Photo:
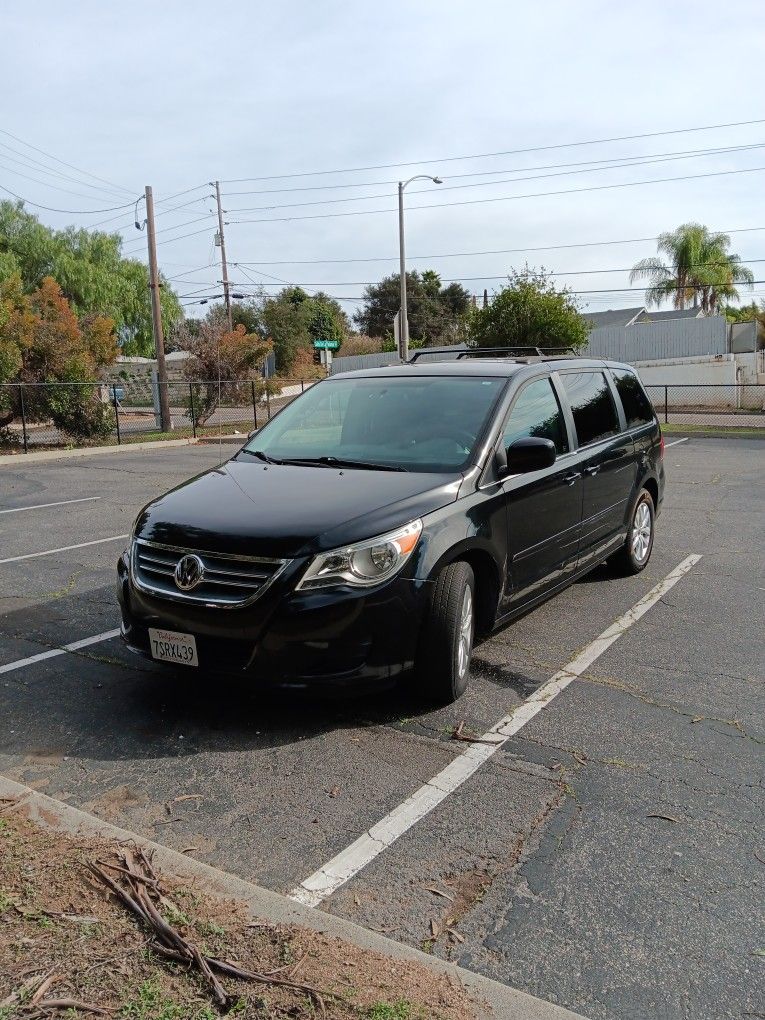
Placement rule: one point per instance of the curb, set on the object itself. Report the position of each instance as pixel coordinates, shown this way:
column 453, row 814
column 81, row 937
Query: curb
column 88, row 451
column 495, row 1001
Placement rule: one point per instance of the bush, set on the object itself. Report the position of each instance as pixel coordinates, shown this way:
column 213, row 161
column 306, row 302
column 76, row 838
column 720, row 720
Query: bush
column 79, row 412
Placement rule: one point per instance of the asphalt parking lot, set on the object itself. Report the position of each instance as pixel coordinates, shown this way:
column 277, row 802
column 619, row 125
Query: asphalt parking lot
column 608, row 857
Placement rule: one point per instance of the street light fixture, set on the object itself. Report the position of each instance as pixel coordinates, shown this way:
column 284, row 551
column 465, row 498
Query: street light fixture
column 404, row 322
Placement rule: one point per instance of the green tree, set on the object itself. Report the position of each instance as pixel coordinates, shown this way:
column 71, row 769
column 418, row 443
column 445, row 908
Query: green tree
column 292, row 320
column 697, row 269
column 529, row 312
column 437, row 315
column 92, row 274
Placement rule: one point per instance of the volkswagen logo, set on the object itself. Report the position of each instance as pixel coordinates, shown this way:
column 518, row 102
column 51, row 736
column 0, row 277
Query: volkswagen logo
column 189, row 572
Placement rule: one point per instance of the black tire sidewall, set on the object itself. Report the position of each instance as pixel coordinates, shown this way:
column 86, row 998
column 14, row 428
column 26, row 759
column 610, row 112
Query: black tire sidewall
column 437, row 664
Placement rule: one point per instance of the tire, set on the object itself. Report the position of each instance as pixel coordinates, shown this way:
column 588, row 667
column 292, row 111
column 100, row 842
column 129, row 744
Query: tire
column 442, row 667
column 638, row 545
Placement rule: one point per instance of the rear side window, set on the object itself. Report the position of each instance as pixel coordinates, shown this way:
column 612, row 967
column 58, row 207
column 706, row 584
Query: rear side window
column 637, row 406
column 536, row 413
column 592, row 406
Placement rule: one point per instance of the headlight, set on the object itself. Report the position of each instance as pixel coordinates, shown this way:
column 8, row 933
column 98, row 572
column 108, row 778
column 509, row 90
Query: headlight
column 365, row 563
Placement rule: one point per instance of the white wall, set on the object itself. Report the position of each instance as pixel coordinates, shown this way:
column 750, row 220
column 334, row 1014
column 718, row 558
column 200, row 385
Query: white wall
column 724, row 381
column 688, row 371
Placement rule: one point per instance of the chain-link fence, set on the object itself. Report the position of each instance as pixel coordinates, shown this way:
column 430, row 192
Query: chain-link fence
column 715, row 405
column 36, row 416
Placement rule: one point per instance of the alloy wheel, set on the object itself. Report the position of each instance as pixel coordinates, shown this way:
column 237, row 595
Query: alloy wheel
column 465, row 644
column 641, row 532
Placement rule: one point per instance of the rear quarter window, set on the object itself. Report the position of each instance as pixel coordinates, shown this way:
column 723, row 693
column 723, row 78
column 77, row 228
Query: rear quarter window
column 637, row 407
column 591, row 405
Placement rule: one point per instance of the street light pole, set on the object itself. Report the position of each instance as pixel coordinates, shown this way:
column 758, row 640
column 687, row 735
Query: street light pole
column 404, row 321
column 403, row 324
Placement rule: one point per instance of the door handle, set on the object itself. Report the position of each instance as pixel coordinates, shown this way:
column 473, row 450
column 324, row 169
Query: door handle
column 571, row 477
column 592, row 469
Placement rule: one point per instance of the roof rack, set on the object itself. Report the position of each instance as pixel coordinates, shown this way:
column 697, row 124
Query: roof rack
column 495, row 352
column 516, row 352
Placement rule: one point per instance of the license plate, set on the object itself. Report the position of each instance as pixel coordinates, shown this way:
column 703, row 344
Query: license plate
column 172, row 646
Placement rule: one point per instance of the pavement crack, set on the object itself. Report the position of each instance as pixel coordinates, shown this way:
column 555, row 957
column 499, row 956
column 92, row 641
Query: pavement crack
column 646, row 699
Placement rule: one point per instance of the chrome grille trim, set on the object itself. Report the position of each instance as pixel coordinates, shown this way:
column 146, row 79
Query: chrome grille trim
column 152, row 570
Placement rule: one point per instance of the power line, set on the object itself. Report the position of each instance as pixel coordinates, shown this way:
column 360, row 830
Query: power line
column 169, row 240
column 475, row 184
column 178, row 226
column 506, row 198
column 74, row 212
column 491, row 155
column 35, row 164
column 465, row 254
column 46, row 184
column 186, row 191
column 50, row 155
column 162, row 212
column 616, row 161
column 473, row 279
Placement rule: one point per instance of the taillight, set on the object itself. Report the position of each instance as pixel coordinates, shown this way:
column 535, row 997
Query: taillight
column 661, row 447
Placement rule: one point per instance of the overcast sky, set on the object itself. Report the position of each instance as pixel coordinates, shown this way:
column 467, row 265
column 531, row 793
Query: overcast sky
column 175, row 94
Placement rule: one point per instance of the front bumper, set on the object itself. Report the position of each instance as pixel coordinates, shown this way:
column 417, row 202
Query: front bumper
column 288, row 638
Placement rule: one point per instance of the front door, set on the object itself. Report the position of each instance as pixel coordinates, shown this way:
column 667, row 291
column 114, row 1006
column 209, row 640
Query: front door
column 606, row 461
column 544, row 508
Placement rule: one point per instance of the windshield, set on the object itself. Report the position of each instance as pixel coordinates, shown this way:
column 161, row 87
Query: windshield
column 425, row 423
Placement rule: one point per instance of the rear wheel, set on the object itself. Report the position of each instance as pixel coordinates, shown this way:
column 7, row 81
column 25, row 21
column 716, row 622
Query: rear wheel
column 446, row 645
column 636, row 551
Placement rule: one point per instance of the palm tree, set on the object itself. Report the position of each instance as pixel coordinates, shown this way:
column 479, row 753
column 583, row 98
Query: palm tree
column 699, row 269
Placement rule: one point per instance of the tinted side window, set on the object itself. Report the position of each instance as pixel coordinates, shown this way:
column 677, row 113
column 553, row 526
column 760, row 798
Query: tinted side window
column 536, row 413
column 637, row 406
column 592, row 406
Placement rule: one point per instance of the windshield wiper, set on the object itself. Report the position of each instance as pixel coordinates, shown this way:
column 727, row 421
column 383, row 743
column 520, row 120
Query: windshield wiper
column 342, row 462
column 262, row 456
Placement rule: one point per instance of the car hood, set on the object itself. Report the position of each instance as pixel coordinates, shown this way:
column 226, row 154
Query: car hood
column 289, row 510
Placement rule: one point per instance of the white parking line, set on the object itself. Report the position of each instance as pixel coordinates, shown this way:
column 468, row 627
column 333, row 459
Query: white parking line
column 676, row 442
column 379, row 837
column 72, row 647
column 43, row 506
column 63, row 548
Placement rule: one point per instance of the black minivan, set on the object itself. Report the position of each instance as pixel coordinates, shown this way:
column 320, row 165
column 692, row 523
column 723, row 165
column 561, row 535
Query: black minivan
column 386, row 517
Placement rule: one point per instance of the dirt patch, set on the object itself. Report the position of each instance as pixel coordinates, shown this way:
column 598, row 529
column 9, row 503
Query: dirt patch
column 65, row 939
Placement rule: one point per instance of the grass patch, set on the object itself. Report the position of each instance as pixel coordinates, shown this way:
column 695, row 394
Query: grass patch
column 713, row 431
column 151, row 1003
column 401, row 1009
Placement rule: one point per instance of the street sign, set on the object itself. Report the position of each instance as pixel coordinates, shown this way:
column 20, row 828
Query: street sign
column 326, row 345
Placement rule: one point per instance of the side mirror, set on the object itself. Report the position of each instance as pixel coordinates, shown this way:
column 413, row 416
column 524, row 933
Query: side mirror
column 529, row 454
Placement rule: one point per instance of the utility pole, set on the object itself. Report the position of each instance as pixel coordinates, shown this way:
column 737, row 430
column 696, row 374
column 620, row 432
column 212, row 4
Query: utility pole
column 223, row 263
column 156, row 316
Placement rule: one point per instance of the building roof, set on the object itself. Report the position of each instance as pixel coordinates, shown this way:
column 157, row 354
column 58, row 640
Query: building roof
column 614, row 316
column 673, row 313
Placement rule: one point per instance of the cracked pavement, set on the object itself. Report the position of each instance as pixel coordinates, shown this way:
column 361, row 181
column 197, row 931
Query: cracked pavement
column 610, row 857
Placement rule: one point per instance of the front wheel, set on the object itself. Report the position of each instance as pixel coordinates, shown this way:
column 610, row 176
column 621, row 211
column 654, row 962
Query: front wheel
column 636, row 551
column 446, row 645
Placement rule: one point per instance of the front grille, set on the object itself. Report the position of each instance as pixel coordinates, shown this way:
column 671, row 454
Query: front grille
column 227, row 580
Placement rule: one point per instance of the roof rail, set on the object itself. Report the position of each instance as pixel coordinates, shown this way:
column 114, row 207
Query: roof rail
column 494, row 352
column 516, row 352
